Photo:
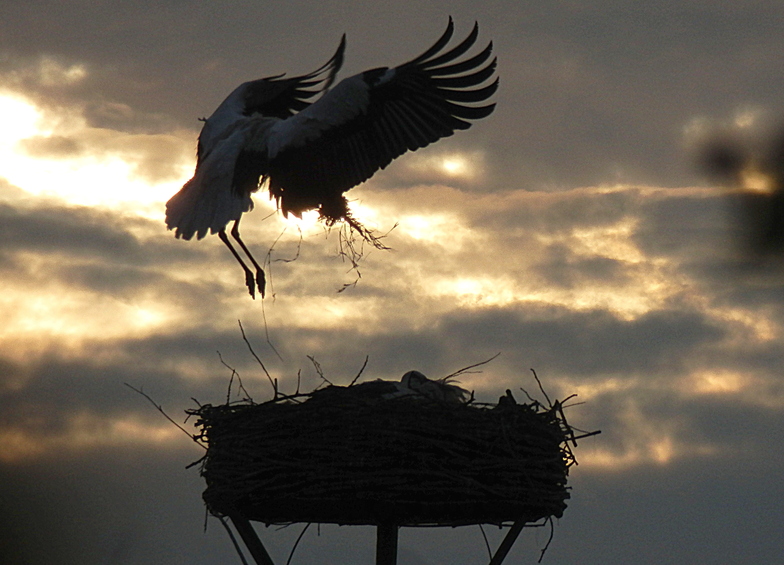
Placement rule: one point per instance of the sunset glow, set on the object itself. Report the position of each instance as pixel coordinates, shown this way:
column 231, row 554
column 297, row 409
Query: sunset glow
column 21, row 120
column 86, row 432
column 605, row 246
column 455, row 166
column 63, row 158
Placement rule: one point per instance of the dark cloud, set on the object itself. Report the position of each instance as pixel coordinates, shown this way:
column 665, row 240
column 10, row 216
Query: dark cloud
column 97, row 249
column 121, row 117
column 584, row 343
column 728, row 421
column 684, row 226
column 113, row 280
column 585, row 91
column 599, row 75
column 561, row 267
column 79, row 231
column 554, row 340
column 551, row 214
column 55, row 146
column 13, row 374
column 54, row 389
column 700, row 233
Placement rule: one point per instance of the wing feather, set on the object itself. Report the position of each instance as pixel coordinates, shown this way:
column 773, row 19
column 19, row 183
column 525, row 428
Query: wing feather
column 453, row 53
column 463, row 66
column 282, row 98
column 438, row 45
column 369, row 119
column 476, row 95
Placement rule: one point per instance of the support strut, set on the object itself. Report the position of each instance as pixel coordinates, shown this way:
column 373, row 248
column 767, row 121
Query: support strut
column 251, row 539
column 386, row 544
column 507, row 543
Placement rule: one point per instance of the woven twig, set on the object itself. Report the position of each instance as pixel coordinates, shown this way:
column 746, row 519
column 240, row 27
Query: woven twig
column 349, row 455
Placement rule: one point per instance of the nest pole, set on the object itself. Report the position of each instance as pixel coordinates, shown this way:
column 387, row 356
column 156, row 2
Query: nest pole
column 386, row 544
column 507, row 543
column 251, row 539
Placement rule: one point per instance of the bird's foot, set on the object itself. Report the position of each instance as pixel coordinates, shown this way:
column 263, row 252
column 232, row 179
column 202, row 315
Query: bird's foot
column 261, row 281
column 250, row 282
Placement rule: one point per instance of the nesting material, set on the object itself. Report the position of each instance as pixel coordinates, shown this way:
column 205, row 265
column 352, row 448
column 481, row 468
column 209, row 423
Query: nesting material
column 379, row 452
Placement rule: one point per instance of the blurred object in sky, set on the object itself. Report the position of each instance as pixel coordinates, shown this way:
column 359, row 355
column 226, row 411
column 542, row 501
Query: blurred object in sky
column 763, row 214
column 722, row 158
column 756, row 168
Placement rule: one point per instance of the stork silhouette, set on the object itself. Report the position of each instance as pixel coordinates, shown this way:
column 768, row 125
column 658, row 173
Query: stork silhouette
column 310, row 154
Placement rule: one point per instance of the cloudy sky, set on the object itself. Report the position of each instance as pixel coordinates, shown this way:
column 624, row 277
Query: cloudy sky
column 571, row 231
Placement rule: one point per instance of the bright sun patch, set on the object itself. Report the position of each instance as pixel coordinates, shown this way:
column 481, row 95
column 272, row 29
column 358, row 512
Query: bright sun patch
column 87, row 166
column 20, row 120
column 755, row 180
column 444, row 229
column 718, row 382
column 67, row 315
column 477, row 292
column 454, row 166
column 435, row 166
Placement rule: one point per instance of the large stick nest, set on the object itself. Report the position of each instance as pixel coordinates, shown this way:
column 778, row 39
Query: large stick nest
column 360, row 455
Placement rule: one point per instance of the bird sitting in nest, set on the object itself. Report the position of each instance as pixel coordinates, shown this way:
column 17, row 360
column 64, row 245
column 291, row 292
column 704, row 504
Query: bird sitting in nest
column 416, row 384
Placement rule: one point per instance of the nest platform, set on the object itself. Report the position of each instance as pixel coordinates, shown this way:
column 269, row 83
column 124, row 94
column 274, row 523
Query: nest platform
column 361, row 455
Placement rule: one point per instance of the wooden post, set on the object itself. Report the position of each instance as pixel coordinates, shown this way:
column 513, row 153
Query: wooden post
column 386, row 544
column 251, row 539
column 507, row 543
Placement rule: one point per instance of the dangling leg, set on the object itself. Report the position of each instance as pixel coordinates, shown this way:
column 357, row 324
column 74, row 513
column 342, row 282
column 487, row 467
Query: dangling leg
column 249, row 280
column 261, row 279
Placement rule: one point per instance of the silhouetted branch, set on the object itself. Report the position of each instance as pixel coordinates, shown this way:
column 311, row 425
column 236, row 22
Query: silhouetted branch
column 233, row 539
column 466, row 369
column 231, row 380
column 193, row 437
column 296, row 543
column 541, row 388
column 317, row 366
column 360, row 371
column 296, row 255
column 266, row 331
column 272, row 381
column 487, row 543
column 552, row 532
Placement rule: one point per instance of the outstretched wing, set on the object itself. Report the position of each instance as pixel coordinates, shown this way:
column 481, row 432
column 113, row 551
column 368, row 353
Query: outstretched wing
column 281, row 98
column 270, row 97
column 369, row 119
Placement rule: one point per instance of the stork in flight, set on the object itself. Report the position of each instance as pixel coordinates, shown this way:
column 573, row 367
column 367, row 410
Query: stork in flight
column 311, row 153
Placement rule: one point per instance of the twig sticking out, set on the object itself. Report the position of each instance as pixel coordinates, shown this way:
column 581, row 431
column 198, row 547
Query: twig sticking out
column 196, row 438
column 549, row 539
column 353, row 382
column 351, row 250
column 233, row 540
column 273, row 382
column 231, row 381
column 296, row 543
column 320, row 371
column 467, row 369
column 487, row 543
column 541, row 388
